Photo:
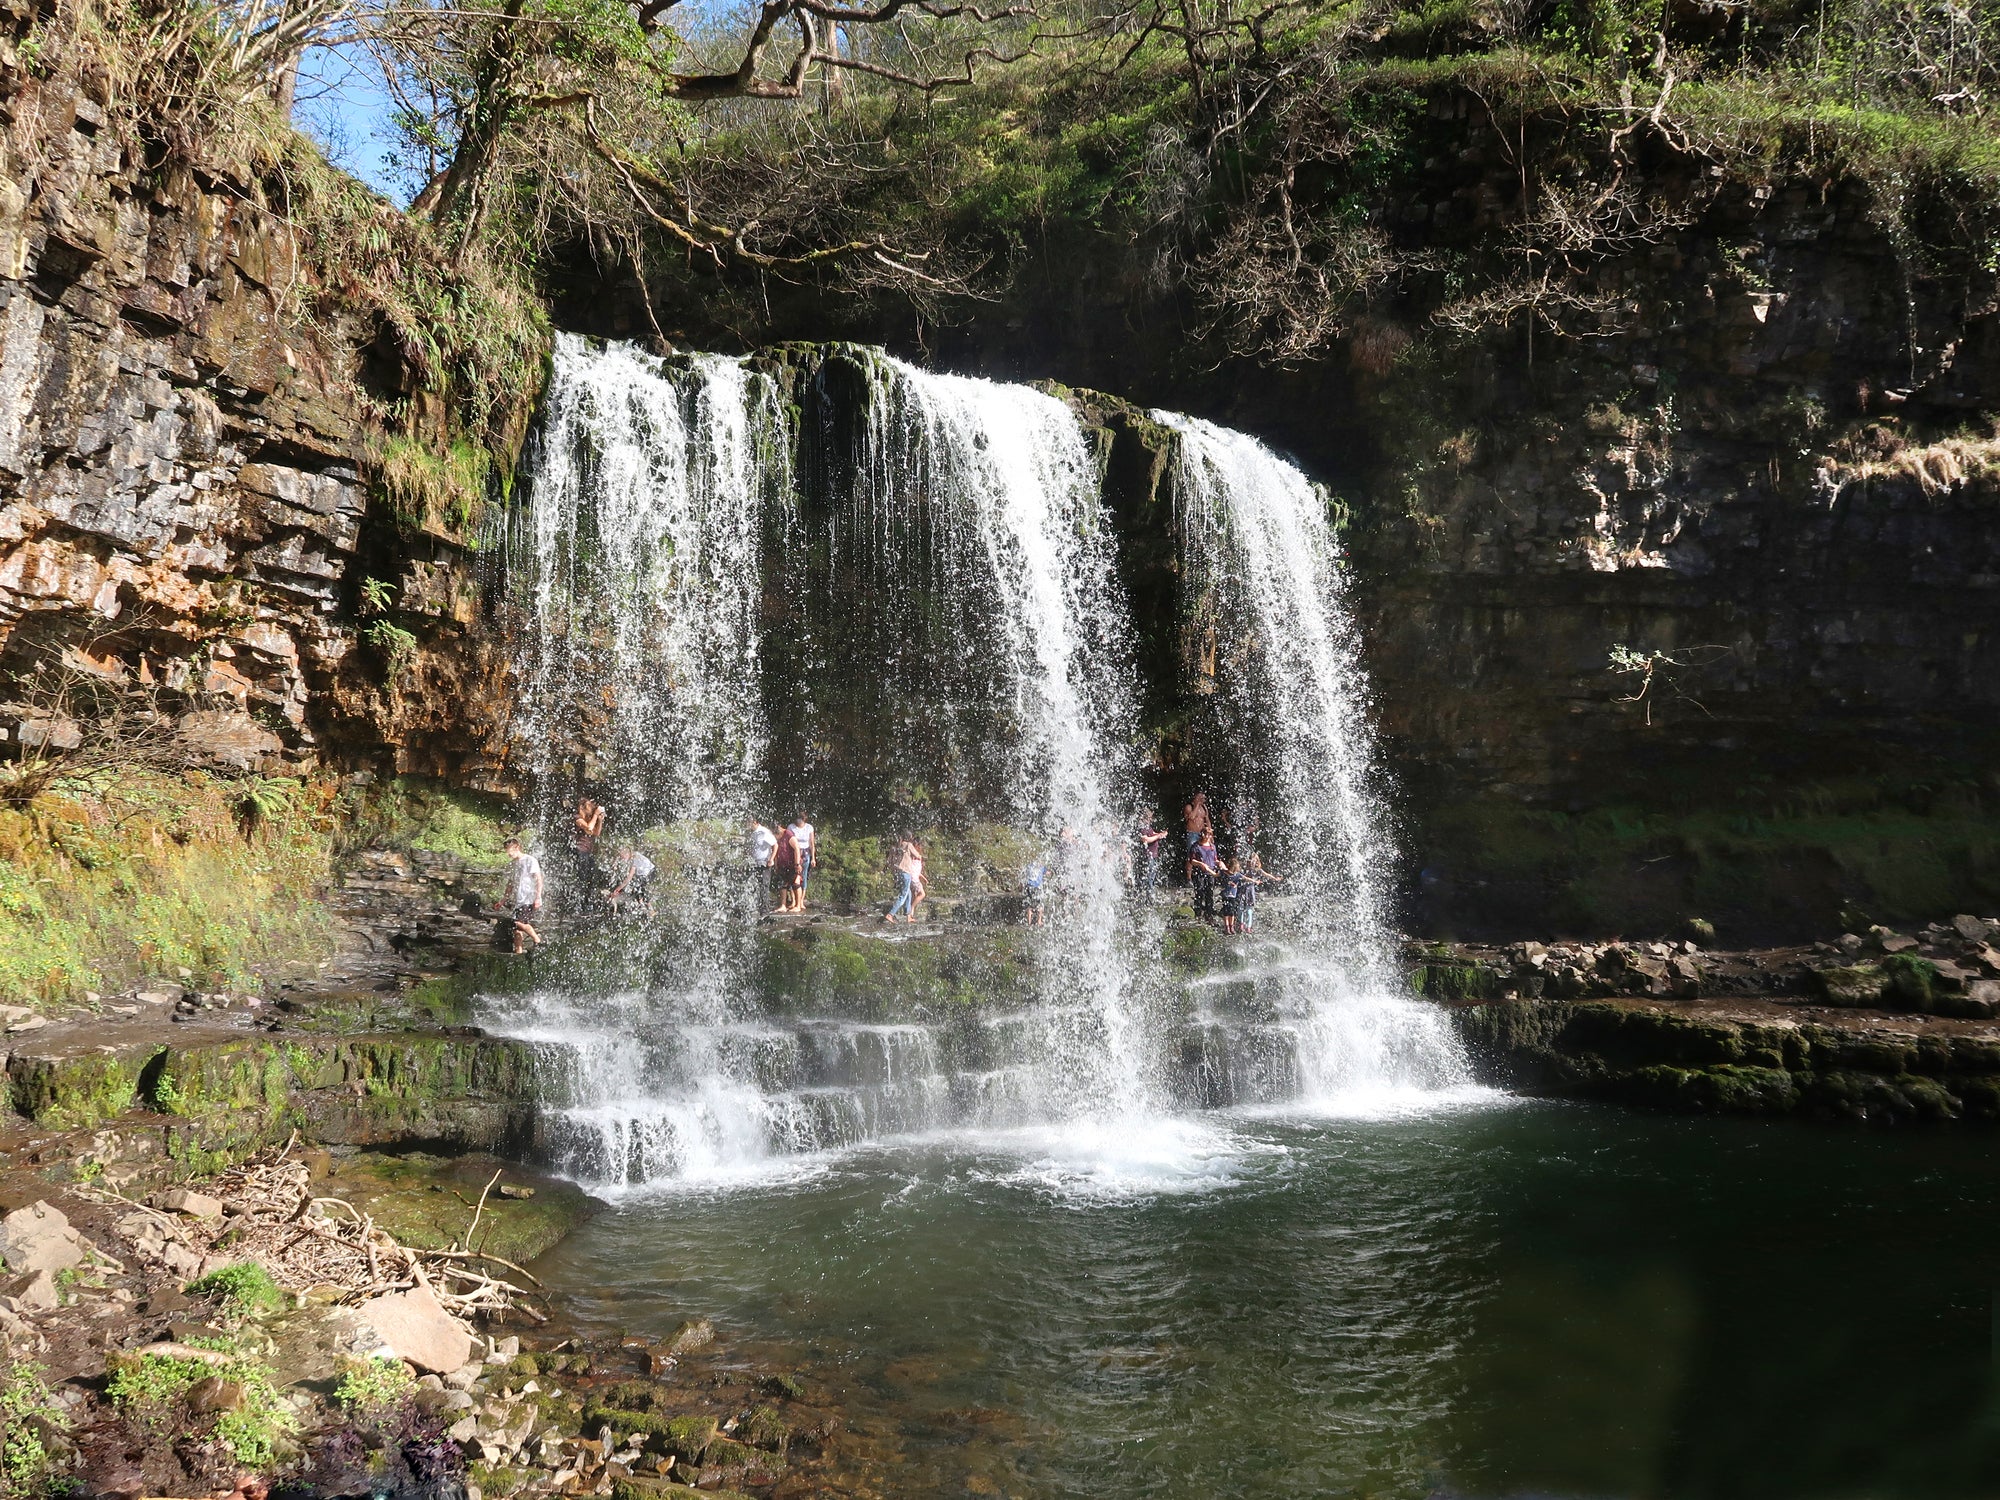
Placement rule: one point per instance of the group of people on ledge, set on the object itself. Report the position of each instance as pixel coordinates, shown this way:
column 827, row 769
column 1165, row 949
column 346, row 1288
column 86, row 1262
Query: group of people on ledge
column 1221, row 868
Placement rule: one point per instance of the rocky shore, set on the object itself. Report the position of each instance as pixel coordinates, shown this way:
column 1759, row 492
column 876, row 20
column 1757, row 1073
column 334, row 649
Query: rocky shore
column 1881, row 1026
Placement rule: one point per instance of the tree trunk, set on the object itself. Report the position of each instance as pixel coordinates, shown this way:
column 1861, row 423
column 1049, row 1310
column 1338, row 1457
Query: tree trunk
column 459, row 185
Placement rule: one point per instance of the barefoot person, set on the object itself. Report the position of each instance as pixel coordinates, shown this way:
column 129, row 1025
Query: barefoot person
column 807, row 838
column 785, row 874
column 524, row 894
column 920, row 890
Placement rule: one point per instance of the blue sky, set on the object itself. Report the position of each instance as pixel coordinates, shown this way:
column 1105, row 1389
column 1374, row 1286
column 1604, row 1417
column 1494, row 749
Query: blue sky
column 341, row 104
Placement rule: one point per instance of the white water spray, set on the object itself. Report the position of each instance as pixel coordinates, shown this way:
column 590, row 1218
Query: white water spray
column 1261, row 556
column 663, row 512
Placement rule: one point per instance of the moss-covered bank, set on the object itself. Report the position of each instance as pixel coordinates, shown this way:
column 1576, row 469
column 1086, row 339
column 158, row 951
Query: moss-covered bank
column 1737, row 1060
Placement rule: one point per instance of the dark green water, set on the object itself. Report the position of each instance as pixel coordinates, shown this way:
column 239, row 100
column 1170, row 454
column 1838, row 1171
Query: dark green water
column 1506, row 1300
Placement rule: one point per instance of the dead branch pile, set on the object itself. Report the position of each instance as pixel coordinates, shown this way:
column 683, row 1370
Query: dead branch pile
column 313, row 1243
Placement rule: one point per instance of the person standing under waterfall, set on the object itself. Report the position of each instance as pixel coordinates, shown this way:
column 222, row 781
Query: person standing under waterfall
column 762, row 845
column 909, row 864
column 917, row 879
column 1034, row 890
column 1195, row 820
column 785, row 872
column 807, row 838
column 586, row 828
column 1249, row 875
column 525, row 889
column 1203, row 865
column 631, row 881
column 1152, row 841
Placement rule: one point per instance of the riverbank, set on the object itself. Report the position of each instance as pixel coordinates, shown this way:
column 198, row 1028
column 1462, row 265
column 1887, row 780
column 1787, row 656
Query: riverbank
column 135, row 1122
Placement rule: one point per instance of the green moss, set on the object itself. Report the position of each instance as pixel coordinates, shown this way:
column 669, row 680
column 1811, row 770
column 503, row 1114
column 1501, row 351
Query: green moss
column 414, row 813
column 1457, row 981
column 727, row 1453
column 1911, row 981
column 765, row 1428
column 244, row 1289
column 1855, row 984
column 1789, row 857
column 69, row 1093
column 688, row 1437
column 103, row 885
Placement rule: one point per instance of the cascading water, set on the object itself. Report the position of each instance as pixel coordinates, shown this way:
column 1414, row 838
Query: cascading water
column 1008, row 483
column 723, row 569
column 1262, row 567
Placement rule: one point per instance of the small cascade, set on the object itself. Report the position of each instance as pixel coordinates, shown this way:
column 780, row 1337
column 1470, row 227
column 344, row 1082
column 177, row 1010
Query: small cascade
column 724, row 567
column 1263, row 572
column 1008, row 487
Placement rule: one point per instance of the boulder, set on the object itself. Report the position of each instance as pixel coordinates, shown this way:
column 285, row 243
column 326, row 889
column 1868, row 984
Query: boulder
column 36, row 1293
column 197, row 1205
column 694, row 1334
column 1860, row 984
column 1971, row 928
column 38, row 1238
column 414, row 1326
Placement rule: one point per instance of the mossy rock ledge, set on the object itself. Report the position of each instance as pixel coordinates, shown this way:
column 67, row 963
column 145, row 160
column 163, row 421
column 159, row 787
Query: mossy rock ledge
column 207, row 1100
column 1672, row 1058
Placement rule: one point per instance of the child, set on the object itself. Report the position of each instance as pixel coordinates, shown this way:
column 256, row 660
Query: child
column 1232, row 881
column 1034, row 878
column 1246, row 895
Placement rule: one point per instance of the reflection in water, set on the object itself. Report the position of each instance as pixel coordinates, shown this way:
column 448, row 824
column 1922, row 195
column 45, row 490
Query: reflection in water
column 1484, row 1300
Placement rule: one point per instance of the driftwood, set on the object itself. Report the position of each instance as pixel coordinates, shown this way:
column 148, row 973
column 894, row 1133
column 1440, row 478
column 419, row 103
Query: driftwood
column 313, row 1242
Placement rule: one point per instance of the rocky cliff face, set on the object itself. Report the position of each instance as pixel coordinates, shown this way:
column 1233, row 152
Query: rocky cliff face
column 1688, row 609
column 1693, row 615
column 183, row 505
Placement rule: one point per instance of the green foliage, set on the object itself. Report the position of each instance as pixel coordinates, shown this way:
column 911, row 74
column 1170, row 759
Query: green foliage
column 374, row 1385
column 376, row 596
column 245, row 1289
column 396, row 646
column 104, row 885
column 428, row 489
column 262, row 800
column 412, row 813
column 151, row 1387
column 28, row 1410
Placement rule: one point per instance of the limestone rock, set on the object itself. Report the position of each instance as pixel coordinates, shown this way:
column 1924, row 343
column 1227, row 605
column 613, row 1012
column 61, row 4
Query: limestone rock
column 417, row 1328
column 229, row 739
column 1859, row 984
column 36, row 1293
column 196, row 1205
column 1971, row 928
column 693, row 1334
column 38, row 1238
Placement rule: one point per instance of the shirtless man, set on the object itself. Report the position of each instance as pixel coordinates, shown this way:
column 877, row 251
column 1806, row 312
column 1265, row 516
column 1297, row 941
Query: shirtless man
column 1195, row 819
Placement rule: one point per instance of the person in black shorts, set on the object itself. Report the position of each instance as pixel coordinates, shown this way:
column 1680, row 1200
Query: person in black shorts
column 1203, row 868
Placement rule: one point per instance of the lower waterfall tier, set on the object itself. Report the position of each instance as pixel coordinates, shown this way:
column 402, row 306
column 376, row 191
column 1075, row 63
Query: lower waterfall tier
column 845, row 1036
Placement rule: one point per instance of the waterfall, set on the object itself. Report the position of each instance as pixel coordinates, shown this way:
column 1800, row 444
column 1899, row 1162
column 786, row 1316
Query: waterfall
column 734, row 578
column 1262, row 570
column 1006, row 474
